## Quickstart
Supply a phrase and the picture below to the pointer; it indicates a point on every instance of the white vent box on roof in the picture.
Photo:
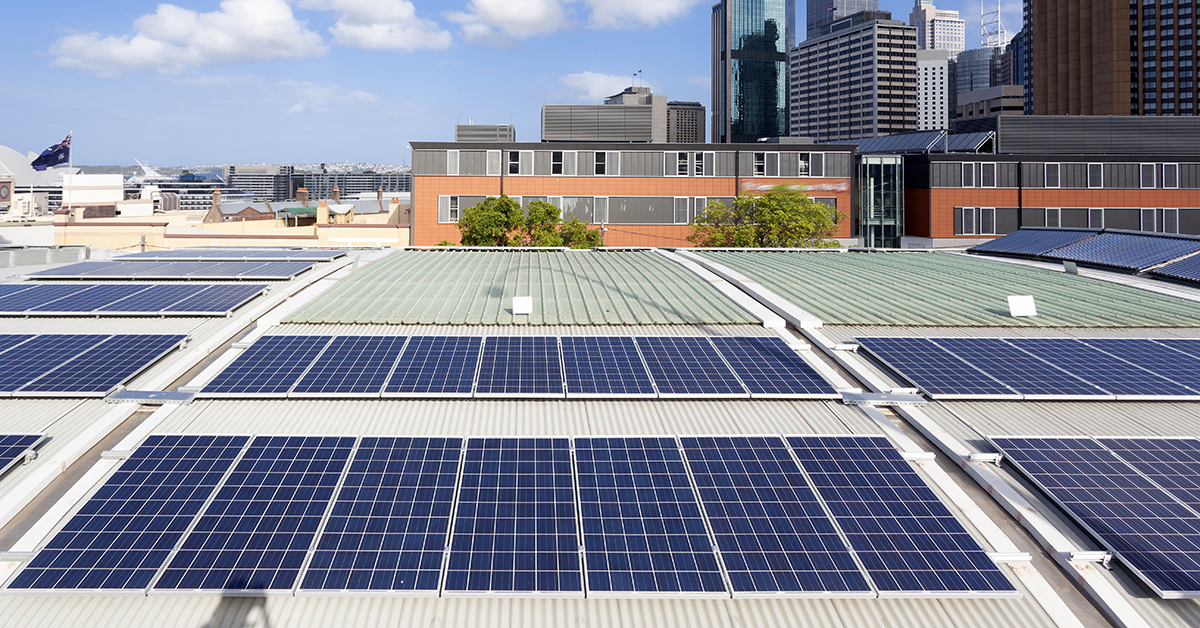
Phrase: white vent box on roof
(522, 305)
(1022, 306)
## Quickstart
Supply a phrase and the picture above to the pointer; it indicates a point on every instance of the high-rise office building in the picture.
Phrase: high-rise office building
(858, 81)
(938, 29)
(822, 13)
(750, 44)
(933, 90)
(266, 183)
(685, 122)
(978, 69)
(1110, 58)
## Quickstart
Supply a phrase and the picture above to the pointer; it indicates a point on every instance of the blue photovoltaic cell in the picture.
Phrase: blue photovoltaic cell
(108, 364)
(13, 447)
(9, 289)
(906, 538)
(352, 365)
(520, 365)
(1185, 269)
(232, 255)
(514, 530)
(270, 366)
(70, 271)
(1127, 250)
(932, 368)
(1018, 370)
(42, 354)
(1156, 536)
(152, 298)
(259, 527)
(177, 270)
(1171, 463)
(688, 366)
(388, 528)
(10, 341)
(642, 526)
(1154, 357)
(602, 365)
(1032, 241)
(93, 297)
(1190, 346)
(125, 532)
(436, 365)
(768, 368)
(216, 298)
(1113, 375)
(39, 294)
(773, 534)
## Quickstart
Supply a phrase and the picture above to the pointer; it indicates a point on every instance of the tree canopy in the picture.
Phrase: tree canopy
(500, 221)
(775, 220)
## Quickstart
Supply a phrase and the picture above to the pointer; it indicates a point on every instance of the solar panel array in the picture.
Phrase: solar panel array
(519, 366)
(233, 255)
(1185, 269)
(35, 299)
(1032, 241)
(604, 516)
(243, 271)
(13, 448)
(1135, 495)
(1044, 368)
(76, 365)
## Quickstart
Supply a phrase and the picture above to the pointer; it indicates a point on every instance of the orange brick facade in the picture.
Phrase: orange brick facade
(427, 231)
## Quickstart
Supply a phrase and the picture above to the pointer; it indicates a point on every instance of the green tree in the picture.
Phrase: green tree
(500, 221)
(775, 220)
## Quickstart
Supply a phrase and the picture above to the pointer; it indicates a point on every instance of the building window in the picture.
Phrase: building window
(698, 164)
(1170, 220)
(710, 164)
(608, 164)
(493, 163)
(698, 205)
(601, 212)
(681, 211)
(772, 164)
(987, 220)
(1095, 218)
(675, 164)
(760, 164)
(1148, 220)
(1148, 181)
(526, 163)
(816, 164)
(1052, 180)
(601, 163)
(556, 162)
(448, 209)
(514, 162)
(987, 176)
(452, 162)
(968, 221)
(1095, 176)
(1170, 178)
(968, 176)
(1053, 217)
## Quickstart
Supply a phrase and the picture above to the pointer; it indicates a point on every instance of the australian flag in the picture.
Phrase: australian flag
(56, 155)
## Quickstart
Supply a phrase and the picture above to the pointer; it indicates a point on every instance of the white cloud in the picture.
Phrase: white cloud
(174, 39)
(594, 87)
(499, 22)
(637, 13)
(315, 98)
(389, 25)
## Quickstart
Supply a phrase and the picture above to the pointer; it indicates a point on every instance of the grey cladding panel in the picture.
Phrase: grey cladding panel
(1122, 176)
(429, 162)
(1006, 219)
(1095, 135)
(1075, 217)
(1033, 175)
(746, 165)
(946, 174)
(587, 163)
(1035, 217)
(1123, 219)
(541, 163)
(467, 202)
(789, 164)
(1074, 176)
(1189, 221)
(1006, 175)
(580, 207)
(472, 163)
(725, 164)
(641, 164)
(839, 165)
(641, 210)
(1189, 176)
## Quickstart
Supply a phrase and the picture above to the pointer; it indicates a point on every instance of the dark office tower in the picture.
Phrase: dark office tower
(751, 40)
(822, 13)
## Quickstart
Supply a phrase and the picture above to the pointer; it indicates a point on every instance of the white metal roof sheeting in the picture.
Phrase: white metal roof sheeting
(528, 330)
(61, 420)
(106, 325)
(847, 333)
(1082, 418)
(331, 612)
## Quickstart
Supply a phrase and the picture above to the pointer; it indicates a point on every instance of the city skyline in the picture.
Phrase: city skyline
(250, 81)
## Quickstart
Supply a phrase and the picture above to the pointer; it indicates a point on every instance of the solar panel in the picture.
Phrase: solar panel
(256, 532)
(1151, 532)
(106, 365)
(122, 536)
(352, 365)
(92, 297)
(232, 255)
(906, 538)
(271, 366)
(216, 299)
(1127, 250)
(436, 366)
(1016, 369)
(933, 369)
(73, 271)
(688, 367)
(1159, 359)
(36, 295)
(1190, 346)
(642, 526)
(179, 270)
(601, 366)
(1113, 375)
(514, 529)
(771, 369)
(1171, 463)
(1032, 241)
(771, 531)
(520, 366)
(41, 354)
(9, 289)
(10, 341)
(1185, 270)
(13, 448)
(389, 525)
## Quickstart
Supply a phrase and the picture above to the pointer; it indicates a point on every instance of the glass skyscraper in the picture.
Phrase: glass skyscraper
(751, 42)
(822, 13)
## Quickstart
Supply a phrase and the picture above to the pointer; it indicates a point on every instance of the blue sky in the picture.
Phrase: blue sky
(190, 82)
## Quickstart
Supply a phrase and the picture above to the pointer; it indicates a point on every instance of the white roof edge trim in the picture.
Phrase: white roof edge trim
(788, 310)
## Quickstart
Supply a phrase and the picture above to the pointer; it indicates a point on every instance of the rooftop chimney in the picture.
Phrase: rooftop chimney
(302, 197)
(217, 200)
(337, 195)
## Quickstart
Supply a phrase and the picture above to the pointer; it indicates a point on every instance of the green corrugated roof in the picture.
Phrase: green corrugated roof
(568, 288)
(301, 211)
(940, 289)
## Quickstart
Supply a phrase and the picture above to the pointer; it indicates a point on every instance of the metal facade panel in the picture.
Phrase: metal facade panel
(472, 163)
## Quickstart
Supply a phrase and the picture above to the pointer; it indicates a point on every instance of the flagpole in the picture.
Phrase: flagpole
(70, 168)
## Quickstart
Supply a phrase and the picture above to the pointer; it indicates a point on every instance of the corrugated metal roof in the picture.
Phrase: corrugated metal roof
(846, 333)
(1083, 418)
(948, 290)
(568, 287)
(59, 419)
(523, 330)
